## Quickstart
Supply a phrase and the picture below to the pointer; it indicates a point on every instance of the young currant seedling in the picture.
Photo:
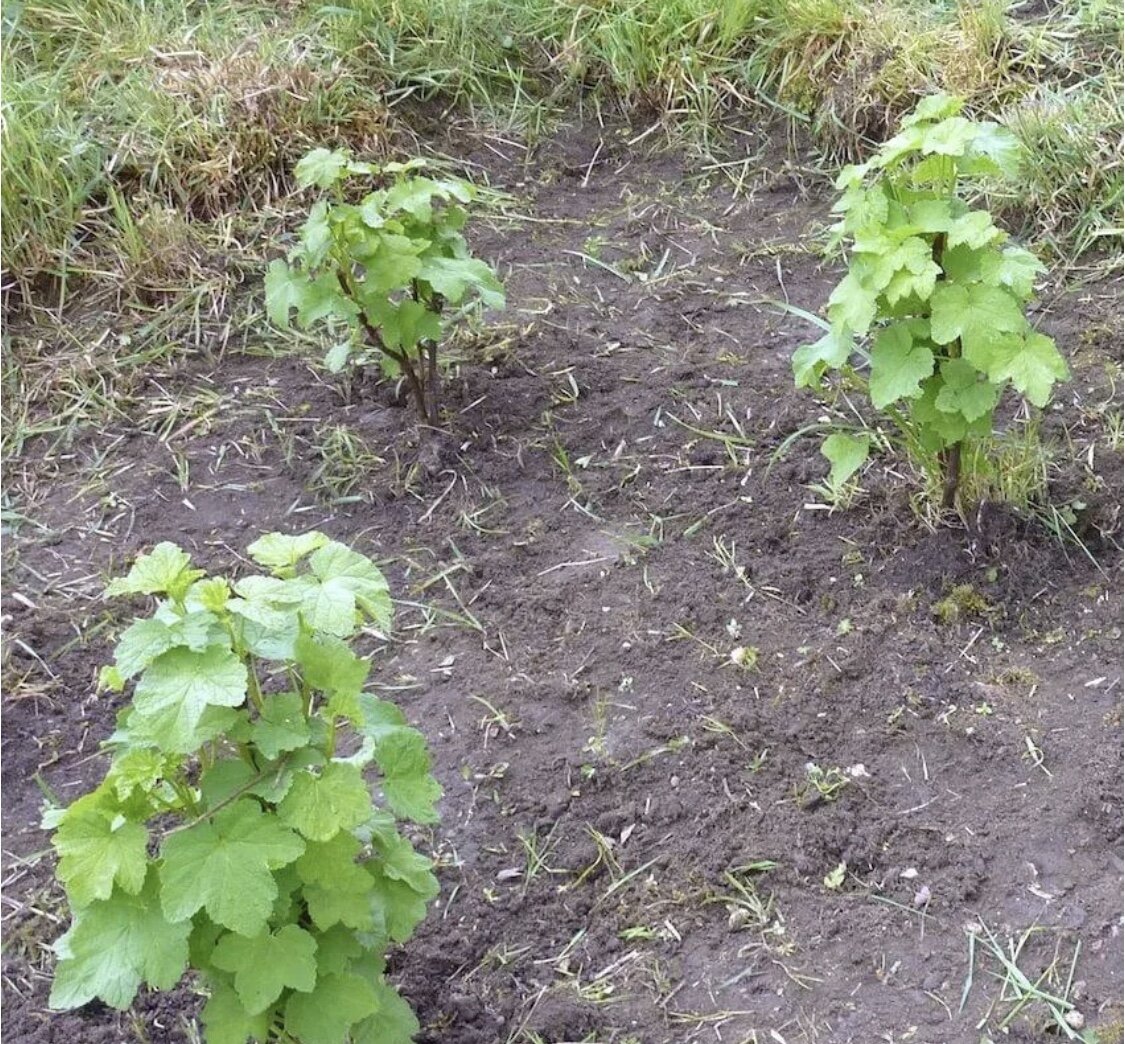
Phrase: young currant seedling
(934, 291)
(386, 269)
(234, 834)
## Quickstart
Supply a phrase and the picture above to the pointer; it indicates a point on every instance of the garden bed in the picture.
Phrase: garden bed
(633, 843)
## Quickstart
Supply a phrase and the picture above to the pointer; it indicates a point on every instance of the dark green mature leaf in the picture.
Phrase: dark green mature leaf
(114, 945)
(281, 724)
(452, 277)
(400, 906)
(223, 865)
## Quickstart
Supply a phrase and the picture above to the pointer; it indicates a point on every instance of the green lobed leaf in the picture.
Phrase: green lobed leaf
(847, 453)
(1033, 365)
(281, 551)
(900, 361)
(285, 292)
(264, 965)
(144, 640)
(964, 390)
(226, 1021)
(319, 805)
(322, 168)
(973, 312)
(336, 948)
(975, 230)
(325, 1015)
(394, 1023)
(339, 568)
(408, 787)
(281, 724)
(851, 305)
(452, 277)
(329, 906)
(114, 945)
(224, 865)
(164, 570)
(179, 686)
(811, 360)
(401, 907)
(98, 850)
(1012, 267)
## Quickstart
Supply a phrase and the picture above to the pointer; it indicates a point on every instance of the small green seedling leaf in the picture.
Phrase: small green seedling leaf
(847, 454)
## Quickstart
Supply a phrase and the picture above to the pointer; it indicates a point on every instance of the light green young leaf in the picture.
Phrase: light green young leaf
(164, 570)
(830, 352)
(281, 551)
(97, 850)
(144, 640)
(336, 358)
(975, 230)
(899, 364)
(286, 289)
(179, 686)
(1033, 365)
(224, 865)
(973, 311)
(264, 965)
(324, 297)
(340, 568)
(847, 454)
(320, 805)
(939, 106)
(851, 305)
(321, 167)
(963, 391)
(951, 137)
(1012, 267)
(325, 1015)
(451, 277)
(116, 944)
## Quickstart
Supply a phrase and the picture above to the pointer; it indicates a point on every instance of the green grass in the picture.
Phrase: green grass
(205, 108)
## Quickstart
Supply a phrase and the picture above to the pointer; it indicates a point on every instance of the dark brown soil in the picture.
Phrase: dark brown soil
(576, 684)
